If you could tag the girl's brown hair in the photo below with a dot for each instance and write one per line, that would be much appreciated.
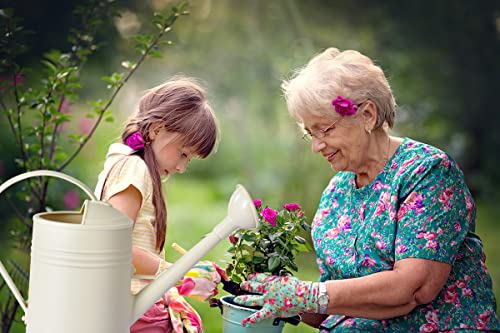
(180, 106)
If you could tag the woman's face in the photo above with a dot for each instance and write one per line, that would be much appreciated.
(343, 145)
(170, 153)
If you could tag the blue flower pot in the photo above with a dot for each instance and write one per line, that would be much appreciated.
(233, 314)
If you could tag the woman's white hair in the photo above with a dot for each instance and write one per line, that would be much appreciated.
(332, 73)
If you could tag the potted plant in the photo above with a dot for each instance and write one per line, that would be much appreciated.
(270, 248)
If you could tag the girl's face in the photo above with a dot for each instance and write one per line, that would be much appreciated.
(170, 153)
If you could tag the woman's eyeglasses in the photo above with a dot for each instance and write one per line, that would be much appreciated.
(321, 133)
(318, 134)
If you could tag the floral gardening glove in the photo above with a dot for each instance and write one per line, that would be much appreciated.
(282, 296)
(200, 282)
(183, 316)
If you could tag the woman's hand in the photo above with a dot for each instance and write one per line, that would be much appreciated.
(282, 296)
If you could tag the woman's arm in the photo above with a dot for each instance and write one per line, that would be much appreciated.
(129, 202)
(391, 293)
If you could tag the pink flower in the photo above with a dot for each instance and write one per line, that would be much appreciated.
(344, 106)
(288, 302)
(333, 233)
(430, 235)
(432, 244)
(135, 141)
(429, 327)
(381, 244)
(450, 295)
(350, 322)
(467, 292)
(483, 319)
(233, 239)
(71, 199)
(445, 197)
(344, 223)
(257, 203)
(269, 216)
(301, 291)
(291, 207)
(368, 262)
(431, 317)
(401, 249)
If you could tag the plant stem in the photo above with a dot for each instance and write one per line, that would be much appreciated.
(19, 124)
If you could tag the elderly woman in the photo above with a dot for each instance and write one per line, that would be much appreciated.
(394, 230)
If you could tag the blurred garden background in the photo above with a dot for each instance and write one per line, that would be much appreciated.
(441, 57)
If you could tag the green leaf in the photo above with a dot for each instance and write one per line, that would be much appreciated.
(273, 263)
(300, 239)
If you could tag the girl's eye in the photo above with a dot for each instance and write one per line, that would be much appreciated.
(184, 155)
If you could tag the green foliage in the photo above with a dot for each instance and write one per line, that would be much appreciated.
(270, 248)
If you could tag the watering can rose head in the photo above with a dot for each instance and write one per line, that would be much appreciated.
(270, 248)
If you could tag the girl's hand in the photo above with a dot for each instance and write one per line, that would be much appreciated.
(282, 296)
(201, 281)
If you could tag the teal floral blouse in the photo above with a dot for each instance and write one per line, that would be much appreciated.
(418, 207)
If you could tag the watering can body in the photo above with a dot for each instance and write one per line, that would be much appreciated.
(81, 265)
(80, 271)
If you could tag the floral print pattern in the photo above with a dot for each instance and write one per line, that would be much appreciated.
(279, 296)
(418, 207)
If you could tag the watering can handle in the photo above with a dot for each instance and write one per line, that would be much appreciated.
(30, 174)
(56, 174)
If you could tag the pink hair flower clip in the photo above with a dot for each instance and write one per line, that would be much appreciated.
(344, 106)
(135, 141)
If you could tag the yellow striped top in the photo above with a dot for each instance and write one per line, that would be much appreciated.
(124, 170)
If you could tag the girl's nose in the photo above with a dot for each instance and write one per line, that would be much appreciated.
(317, 145)
(181, 166)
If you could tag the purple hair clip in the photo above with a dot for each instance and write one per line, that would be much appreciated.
(135, 141)
(344, 106)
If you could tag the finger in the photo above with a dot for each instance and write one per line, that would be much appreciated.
(252, 286)
(257, 317)
(260, 277)
(249, 300)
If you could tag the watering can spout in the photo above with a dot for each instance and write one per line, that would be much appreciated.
(241, 215)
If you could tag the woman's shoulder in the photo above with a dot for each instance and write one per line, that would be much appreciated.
(418, 162)
(417, 157)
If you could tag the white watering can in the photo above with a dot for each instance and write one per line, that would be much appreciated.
(81, 265)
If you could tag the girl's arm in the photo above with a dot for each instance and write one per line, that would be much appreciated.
(391, 293)
(129, 202)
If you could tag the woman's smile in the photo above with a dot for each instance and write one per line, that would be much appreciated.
(331, 156)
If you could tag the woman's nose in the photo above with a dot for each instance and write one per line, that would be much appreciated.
(317, 145)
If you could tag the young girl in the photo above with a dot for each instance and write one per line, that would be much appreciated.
(173, 124)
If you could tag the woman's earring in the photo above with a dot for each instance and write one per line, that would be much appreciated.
(369, 131)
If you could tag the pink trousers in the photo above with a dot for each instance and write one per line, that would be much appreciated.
(155, 320)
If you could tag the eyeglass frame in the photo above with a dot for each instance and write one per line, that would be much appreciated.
(321, 133)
